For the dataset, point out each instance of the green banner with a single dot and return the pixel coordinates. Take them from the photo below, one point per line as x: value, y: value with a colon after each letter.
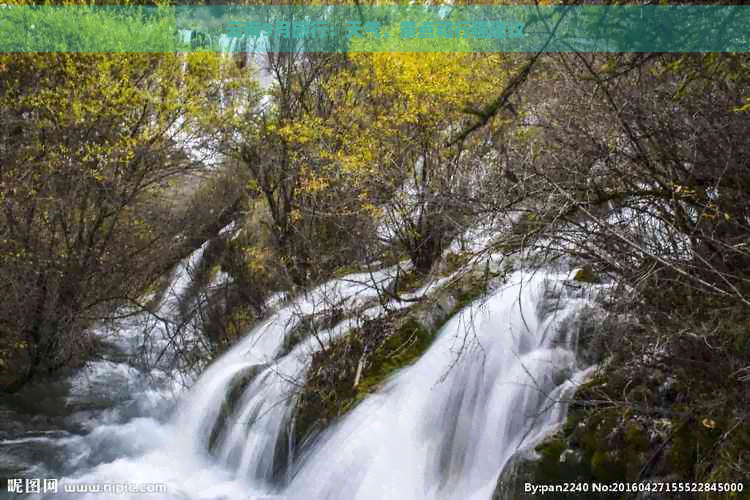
x: 375, y: 28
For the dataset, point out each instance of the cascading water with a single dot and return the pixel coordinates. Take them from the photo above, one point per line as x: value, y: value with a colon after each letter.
x: 494, y: 382
x: 201, y: 146
x: 114, y: 406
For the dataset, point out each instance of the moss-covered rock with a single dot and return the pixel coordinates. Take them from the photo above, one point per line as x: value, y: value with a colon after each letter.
x: 376, y: 350
x: 342, y: 271
x: 556, y: 462
x: 452, y: 262
x: 667, y: 411
x: 311, y: 325
x: 228, y: 319
x: 229, y: 405
x: 479, y: 281
x: 409, y: 281
x: 435, y: 312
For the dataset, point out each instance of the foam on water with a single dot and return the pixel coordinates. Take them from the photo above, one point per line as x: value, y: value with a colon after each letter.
x: 495, y: 381
x: 445, y: 427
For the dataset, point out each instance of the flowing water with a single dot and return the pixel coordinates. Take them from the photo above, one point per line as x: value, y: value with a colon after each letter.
x: 115, y: 405
x: 494, y: 382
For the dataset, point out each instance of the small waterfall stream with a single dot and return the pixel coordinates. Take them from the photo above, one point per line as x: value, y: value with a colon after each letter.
x: 116, y: 404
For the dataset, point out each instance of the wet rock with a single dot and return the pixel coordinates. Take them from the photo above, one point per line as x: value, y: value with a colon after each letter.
x: 109, y: 351
x: 42, y: 422
x: 27, y: 453
x: 11, y: 466
x: 436, y: 314
x: 81, y: 422
x: 102, y: 384
x: 45, y: 397
x: 9, y: 424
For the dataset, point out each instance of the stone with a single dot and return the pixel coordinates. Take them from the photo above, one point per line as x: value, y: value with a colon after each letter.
x: 440, y: 309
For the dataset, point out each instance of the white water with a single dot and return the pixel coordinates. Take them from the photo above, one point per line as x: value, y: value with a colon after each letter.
x: 446, y: 426
x: 117, y: 404
x: 494, y: 381
x: 203, y: 147
x: 155, y: 343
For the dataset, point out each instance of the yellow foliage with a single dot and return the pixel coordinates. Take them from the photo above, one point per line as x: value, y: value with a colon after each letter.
x: 257, y: 259
x: 92, y: 91
x: 313, y: 185
x: 396, y: 104
x: 84, y: 122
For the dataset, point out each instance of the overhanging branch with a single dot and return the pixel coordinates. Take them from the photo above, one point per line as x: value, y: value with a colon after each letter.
x: 501, y: 102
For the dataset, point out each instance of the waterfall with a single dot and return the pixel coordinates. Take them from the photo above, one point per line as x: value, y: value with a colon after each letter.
x: 227, y: 47
x: 253, y: 50
x: 199, y: 145
x: 119, y: 404
x: 148, y: 373
x: 269, y: 394
x: 185, y: 37
x: 494, y: 382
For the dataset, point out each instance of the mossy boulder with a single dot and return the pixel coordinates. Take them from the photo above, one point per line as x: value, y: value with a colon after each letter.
x: 311, y: 325
x: 433, y: 314
x: 229, y: 405
x: 649, y: 417
x: 553, y: 461
x: 451, y: 262
x: 376, y: 350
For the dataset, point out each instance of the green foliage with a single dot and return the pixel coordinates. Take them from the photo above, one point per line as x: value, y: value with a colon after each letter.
x: 623, y: 428
x: 87, y: 28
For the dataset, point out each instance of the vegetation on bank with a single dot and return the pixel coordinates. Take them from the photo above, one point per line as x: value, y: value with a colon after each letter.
x: 672, y: 413
x: 372, y: 352
x: 87, y: 140
x: 671, y: 399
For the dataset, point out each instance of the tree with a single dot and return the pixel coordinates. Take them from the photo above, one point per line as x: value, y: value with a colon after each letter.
x: 277, y: 163
x: 390, y: 117
x: 86, y: 138
x: 631, y: 163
